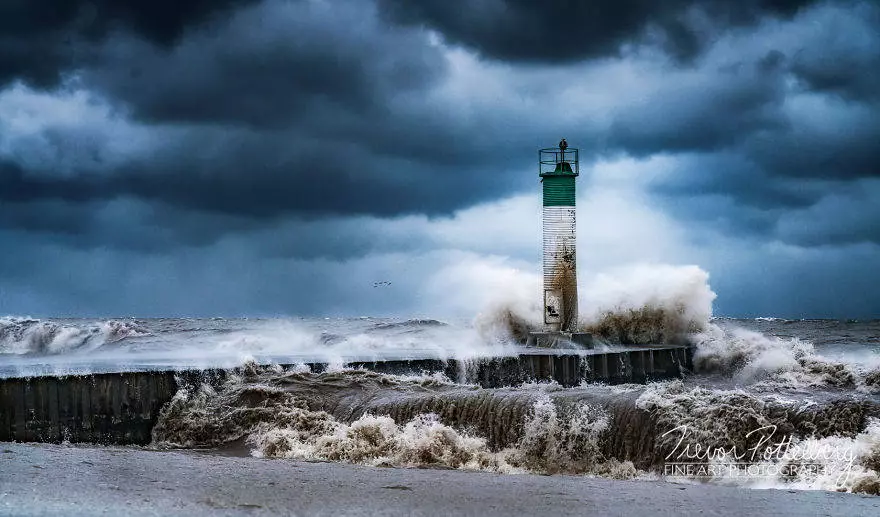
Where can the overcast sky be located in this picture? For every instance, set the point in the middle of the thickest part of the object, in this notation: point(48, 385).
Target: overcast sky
point(281, 157)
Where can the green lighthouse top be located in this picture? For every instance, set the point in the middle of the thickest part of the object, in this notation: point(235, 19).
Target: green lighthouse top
point(558, 161)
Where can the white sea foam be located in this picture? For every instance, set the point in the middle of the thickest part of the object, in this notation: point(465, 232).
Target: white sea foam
point(35, 347)
point(33, 336)
point(836, 463)
point(554, 436)
point(766, 442)
point(679, 295)
point(765, 361)
point(278, 424)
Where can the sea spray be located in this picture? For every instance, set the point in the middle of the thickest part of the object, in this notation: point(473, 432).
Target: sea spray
point(766, 441)
point(834, 463)
point(663, 304)
point(505, 324)
point(37, 337)
point(731, 349)
point(562, 439)
point(644, 325)
point(640, 304)
point(373, 419)
point(379, 440)
point(256, 407)
point(647, 303)
point(503, 300)
point(768, 362)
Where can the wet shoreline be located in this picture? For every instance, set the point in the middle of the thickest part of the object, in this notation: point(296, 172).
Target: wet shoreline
point(43, 479)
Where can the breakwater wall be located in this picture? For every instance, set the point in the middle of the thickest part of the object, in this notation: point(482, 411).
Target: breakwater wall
point(122, 408)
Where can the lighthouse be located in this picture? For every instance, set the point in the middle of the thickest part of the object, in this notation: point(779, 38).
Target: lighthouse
point(558, 168)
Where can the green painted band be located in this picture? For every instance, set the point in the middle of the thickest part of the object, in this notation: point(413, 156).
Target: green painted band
point(558, 190)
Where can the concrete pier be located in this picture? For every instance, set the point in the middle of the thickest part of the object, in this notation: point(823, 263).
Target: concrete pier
point(122, 408)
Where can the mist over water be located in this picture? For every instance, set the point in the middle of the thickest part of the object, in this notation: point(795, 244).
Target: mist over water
point(815, 383)
point(59, 346)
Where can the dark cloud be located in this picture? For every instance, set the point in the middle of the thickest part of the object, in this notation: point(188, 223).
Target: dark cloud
point(708, 113)
point(565, 31)
point(193, 140)
point(832, 149)
point(41, 39)
point(271, 65)
point(136, 226)
point(779, 147)
point(261, 114)
point(846, 66)
point(280, 120)
point(845, 215)
point(267, 175)
point(733, 176)
point(17, 186)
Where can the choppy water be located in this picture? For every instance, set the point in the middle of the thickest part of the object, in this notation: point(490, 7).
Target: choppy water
point(849, 340)
point(814, 384)
point(31, 346)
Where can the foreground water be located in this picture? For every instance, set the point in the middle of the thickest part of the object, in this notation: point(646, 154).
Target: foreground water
point(71, 481)
point(772, 403)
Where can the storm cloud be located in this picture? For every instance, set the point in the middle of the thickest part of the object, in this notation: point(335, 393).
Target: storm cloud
point(561, 31)
point(169, 145)
point(43, 39)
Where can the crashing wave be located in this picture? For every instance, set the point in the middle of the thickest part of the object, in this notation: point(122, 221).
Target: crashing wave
point(872, 382)
point(646, 304)
point(673, 305)
point(413, 324)
point(839, 441)
point(645, 325)
point(277, 422)
point(771, 362)
point(371, 419)
point(32, 336)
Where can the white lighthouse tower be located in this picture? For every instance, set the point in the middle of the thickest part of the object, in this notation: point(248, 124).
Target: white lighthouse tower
point(558, 168)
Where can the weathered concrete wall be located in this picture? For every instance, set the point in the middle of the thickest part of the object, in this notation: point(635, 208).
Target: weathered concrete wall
point(111, 408)
point(617, 367)
point(122, 408)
